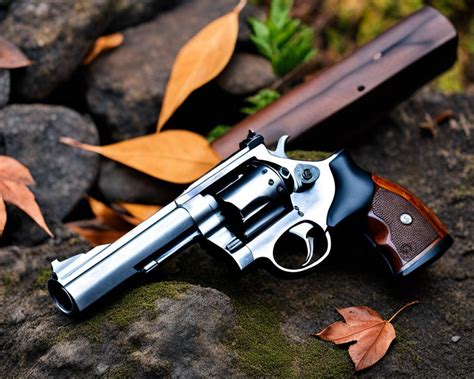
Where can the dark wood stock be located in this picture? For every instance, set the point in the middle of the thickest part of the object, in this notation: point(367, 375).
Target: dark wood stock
point(360, 88)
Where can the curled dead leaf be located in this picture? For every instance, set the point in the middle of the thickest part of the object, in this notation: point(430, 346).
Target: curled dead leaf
point(200, 60)
point(95, 231)
point(373, 334)
point(14, 178)
point(11, 56)
point(177, 156)
point(111, 222)
point(108, 216)
point(107, 226)
point(139, 212)
point(104, 43)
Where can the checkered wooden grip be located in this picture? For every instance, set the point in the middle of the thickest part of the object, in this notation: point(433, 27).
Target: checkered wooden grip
point(407, 232)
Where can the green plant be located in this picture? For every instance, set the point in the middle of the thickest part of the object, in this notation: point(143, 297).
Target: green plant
point(217, 132)
point(260, 100)
point(286, 42)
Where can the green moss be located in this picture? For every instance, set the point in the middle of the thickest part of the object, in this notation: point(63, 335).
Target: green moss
point(43, 275)
point(127, 370)
point(7, 279)
point(264, 350)
point(323, 360)
point(452, 80)
point(468, 169)
point(406, 347)
point(308, 155)
point(121, 312)
point(460, 193)
point(379, 15)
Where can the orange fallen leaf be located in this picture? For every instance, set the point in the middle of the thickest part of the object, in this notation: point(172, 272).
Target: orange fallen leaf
point(200, 60)
point(11, 56)
point(14, 179)
point(108, 216)
point(107, 226)
point(104, 43)
point(140, 212)
point(111, 222)
point(177, 156)
point(364, 325)
point(95, 231)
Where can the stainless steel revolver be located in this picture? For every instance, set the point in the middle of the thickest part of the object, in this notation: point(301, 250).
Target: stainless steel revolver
point(245, 206)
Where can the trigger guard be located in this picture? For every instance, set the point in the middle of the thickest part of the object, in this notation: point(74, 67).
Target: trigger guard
point(304, 267)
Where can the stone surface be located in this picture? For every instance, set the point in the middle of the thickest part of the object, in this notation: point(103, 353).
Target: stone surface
point(126, 86)
point(246, 74)
point(180, 330)
point(118, 183)
point(56, 36)
point(130, 12)
point(30, 134)
point(4, 87)
point(259, 325)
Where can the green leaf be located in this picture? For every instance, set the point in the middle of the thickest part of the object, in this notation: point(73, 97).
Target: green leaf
point(217, 132)
point(260, 100)
point(295, 52)
point(280, 12)
point(286, 42)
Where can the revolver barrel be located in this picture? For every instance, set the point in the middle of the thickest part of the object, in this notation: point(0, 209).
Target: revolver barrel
point(82, 279)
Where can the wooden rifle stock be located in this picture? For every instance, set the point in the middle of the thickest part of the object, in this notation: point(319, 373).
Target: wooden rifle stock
point(360, 88)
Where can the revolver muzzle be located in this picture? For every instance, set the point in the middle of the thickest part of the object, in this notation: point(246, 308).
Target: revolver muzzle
point(83, 279)
point(61, 298)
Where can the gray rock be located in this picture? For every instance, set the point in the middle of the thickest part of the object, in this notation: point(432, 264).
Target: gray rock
point(4, 87)
point(56, 36)
point(250, 10)
point(119, 183)
point(246, 74)
point(126, 86)
point(183, 331)
point(128, 13)
point(30, 134)
point(259, 325)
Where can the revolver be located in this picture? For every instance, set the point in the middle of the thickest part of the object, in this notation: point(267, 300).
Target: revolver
point(245, 206)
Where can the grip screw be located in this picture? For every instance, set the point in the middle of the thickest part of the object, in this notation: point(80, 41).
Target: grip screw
point(307, 174)
point(406, 219)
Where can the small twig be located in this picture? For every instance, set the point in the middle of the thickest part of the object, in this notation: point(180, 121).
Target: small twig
point(429, 125)
point(402, 309)
point(464, 126)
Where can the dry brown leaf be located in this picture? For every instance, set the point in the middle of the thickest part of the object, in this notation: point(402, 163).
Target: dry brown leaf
point(3, 215)
point(108, 216)
point(11, 56)
point(14, 178)
point(95, 231)
point(177, 156)
point(364, 325)
point(140, 212)
point(200, 60)
point(110, 223)
point(102, 44)
point(107, 226)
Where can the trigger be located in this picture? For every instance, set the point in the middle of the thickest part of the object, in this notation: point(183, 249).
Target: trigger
point(302, 230)
point(280, 149)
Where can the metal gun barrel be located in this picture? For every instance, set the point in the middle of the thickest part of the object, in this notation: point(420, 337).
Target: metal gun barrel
point(81, 280)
